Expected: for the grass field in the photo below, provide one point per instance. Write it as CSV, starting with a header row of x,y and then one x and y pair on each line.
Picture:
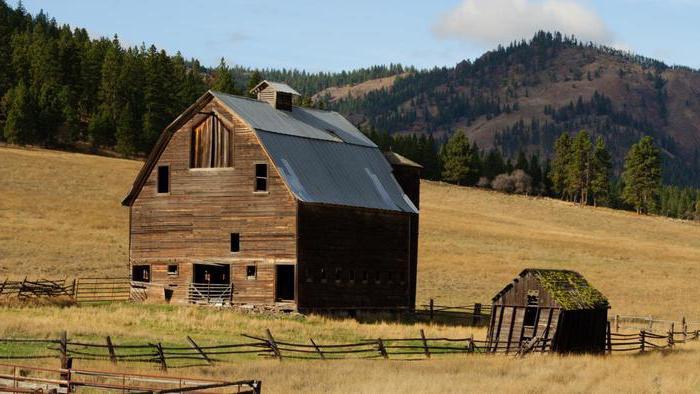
x,y
60,216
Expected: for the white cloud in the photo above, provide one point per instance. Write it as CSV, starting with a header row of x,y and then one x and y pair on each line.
x,y
494,22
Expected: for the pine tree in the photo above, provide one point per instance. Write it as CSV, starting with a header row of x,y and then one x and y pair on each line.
x,y
223,80
125,136
458,161
20,127
579,169
560,163
602,165
642,176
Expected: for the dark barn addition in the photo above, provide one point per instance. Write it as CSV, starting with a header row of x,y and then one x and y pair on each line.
x,y
554,308
247,201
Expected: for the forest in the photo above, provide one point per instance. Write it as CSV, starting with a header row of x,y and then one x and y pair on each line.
x,y
60,88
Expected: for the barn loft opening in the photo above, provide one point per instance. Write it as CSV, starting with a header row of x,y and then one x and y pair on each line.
x,y
277,94
211,145
141,273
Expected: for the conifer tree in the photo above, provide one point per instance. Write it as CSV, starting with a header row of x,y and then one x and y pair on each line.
x,y
602,165
579,170
458,161
20,127
559,165
223,80
642,176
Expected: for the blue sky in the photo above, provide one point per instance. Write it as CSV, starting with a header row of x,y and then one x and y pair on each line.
x,y
335,35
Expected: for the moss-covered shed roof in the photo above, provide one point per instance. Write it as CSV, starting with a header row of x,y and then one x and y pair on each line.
x,y
568,288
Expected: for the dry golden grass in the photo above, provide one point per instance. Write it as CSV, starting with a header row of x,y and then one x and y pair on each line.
x,y
60,215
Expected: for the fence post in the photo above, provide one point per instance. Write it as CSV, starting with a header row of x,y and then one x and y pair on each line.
x,y
110,348
273,345
617,323
199,350
425,344
651,323
670,336
320,353
66,366
476,316
470,347
382,349
609,339
685,329
63,348
642,340
431,310
161,356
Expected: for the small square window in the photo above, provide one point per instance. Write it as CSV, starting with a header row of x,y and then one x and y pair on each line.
x,y
172,269
323,275
251,272
235,242
163,179
365,276
351,276
261,177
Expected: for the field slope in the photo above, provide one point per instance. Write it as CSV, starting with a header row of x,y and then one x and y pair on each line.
x,y
60,216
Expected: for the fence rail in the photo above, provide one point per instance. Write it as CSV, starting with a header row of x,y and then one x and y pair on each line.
x,y
19,378
412,348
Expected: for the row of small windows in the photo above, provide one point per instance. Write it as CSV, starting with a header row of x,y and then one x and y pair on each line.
x,y
163,178
340,275
142,273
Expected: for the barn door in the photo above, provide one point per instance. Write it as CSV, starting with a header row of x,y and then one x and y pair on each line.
x,y
284,283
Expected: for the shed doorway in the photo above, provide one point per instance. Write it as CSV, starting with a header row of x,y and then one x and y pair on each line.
x,y
284,283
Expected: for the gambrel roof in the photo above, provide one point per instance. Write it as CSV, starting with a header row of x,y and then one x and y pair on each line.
x,y
320,155
568,288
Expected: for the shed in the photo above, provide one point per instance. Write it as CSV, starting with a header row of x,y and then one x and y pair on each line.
x,y
557,309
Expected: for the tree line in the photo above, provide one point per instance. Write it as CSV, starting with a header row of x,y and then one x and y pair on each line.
x,y
61,88
579,171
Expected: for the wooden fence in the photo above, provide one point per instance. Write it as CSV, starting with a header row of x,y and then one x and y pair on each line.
x,y
27,289
82,290
90,290
28,379
473,314
420,347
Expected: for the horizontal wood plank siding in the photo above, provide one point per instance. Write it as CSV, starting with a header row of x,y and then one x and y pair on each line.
x,y
194,221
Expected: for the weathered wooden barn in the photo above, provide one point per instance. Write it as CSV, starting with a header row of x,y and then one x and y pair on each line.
x,y
262,202
558,309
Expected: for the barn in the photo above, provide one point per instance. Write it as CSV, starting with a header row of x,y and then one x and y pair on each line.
x,y
558,309
260,202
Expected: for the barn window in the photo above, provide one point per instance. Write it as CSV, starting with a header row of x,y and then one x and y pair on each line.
x,y
235,242
402,277
530,318
308,275
141,273
365,276
351,276
212,145
251,272
338,275
261,177
323,275
378,277
172,269
163,179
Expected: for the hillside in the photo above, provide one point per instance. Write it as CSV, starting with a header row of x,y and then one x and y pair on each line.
x,y
524,96
60,216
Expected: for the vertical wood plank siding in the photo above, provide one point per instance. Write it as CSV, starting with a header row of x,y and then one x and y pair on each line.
x,y
360,242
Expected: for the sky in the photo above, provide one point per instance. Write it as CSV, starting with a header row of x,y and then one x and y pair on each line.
x,y
336,35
